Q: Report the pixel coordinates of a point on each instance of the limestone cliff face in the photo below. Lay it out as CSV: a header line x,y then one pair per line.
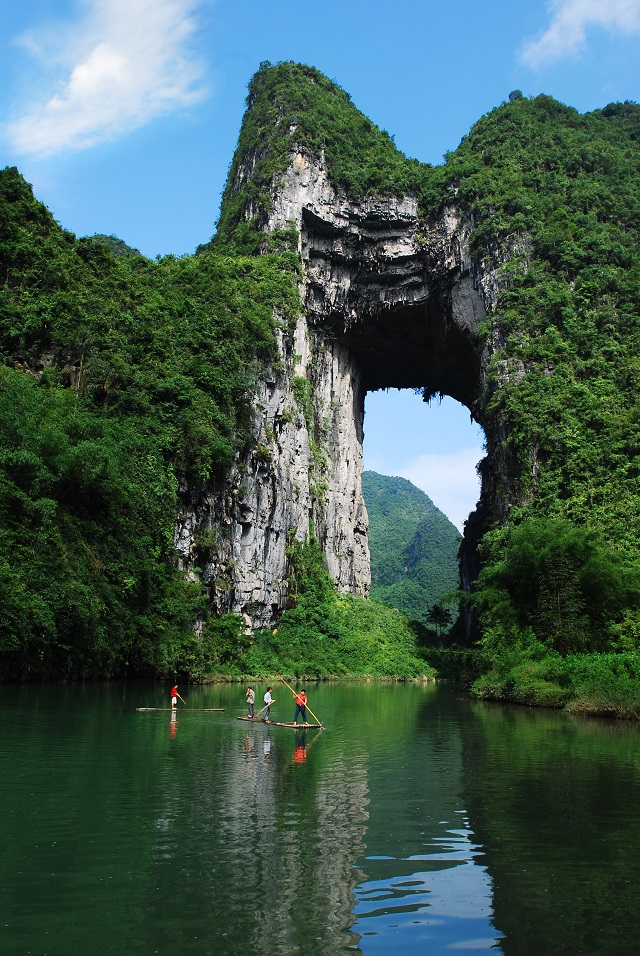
x,y
302,471
388,301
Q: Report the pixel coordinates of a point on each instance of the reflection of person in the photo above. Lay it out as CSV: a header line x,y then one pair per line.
x,y
300,753
174,695
301,706
251,699
268,700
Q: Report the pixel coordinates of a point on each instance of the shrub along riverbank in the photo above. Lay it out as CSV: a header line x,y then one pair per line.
x,y
605,684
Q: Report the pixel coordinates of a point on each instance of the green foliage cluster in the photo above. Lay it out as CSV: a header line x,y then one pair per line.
x,y
538,169
561,611
177,344
413,546
120,379
605,684
86,510
565,583
563,190
217,651
325,634
291,105
117,247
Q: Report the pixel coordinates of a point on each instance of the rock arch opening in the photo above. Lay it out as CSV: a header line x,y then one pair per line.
x,y
436,446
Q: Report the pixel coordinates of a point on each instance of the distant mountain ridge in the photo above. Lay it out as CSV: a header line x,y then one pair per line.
x,y
413,545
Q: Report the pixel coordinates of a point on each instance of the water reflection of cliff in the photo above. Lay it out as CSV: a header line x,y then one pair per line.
x,y
427,888
551,797
304,846
275,838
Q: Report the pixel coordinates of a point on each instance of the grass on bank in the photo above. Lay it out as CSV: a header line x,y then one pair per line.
x,y
357,638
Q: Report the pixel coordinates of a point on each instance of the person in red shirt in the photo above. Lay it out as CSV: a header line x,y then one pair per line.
x,y
174,695
301,706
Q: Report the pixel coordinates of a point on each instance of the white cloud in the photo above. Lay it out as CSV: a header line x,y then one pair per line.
x,y
450,480
570,19
123,64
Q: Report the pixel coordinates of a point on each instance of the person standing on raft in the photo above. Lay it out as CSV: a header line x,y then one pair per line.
x,y
301,706
268,701
251,699
174,696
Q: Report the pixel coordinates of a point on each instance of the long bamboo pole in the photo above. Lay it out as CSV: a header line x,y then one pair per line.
x,y
307,706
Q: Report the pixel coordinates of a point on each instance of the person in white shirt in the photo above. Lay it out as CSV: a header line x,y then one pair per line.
x,y
268,700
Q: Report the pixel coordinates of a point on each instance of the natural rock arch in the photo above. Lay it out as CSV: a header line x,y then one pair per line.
x,y
505,278
386,304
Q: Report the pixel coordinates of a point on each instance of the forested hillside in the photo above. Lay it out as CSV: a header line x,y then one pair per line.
x,y
121,376
413,545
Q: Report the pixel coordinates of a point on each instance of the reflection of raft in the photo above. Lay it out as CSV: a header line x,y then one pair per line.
x,y
193,710
282,723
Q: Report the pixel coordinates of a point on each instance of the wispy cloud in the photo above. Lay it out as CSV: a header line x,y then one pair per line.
x,y
570,19
450,480
123,63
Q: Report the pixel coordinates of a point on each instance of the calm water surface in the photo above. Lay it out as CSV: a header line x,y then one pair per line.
x,y
418,821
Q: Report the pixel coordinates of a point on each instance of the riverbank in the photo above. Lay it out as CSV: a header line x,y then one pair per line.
x,y
596,685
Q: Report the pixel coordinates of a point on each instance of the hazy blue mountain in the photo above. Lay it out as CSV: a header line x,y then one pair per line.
x,y
413,545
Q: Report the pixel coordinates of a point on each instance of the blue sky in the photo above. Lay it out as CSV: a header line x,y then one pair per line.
x,y
124,115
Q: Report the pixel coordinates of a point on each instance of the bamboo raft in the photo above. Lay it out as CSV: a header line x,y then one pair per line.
x,y
282,723
193,710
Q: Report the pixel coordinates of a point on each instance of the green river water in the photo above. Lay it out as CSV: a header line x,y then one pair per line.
x,y
418,822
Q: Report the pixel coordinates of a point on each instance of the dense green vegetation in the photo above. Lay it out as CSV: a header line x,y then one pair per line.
x,y
560,581
327,635
559,610
413,546
117,247
122,377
